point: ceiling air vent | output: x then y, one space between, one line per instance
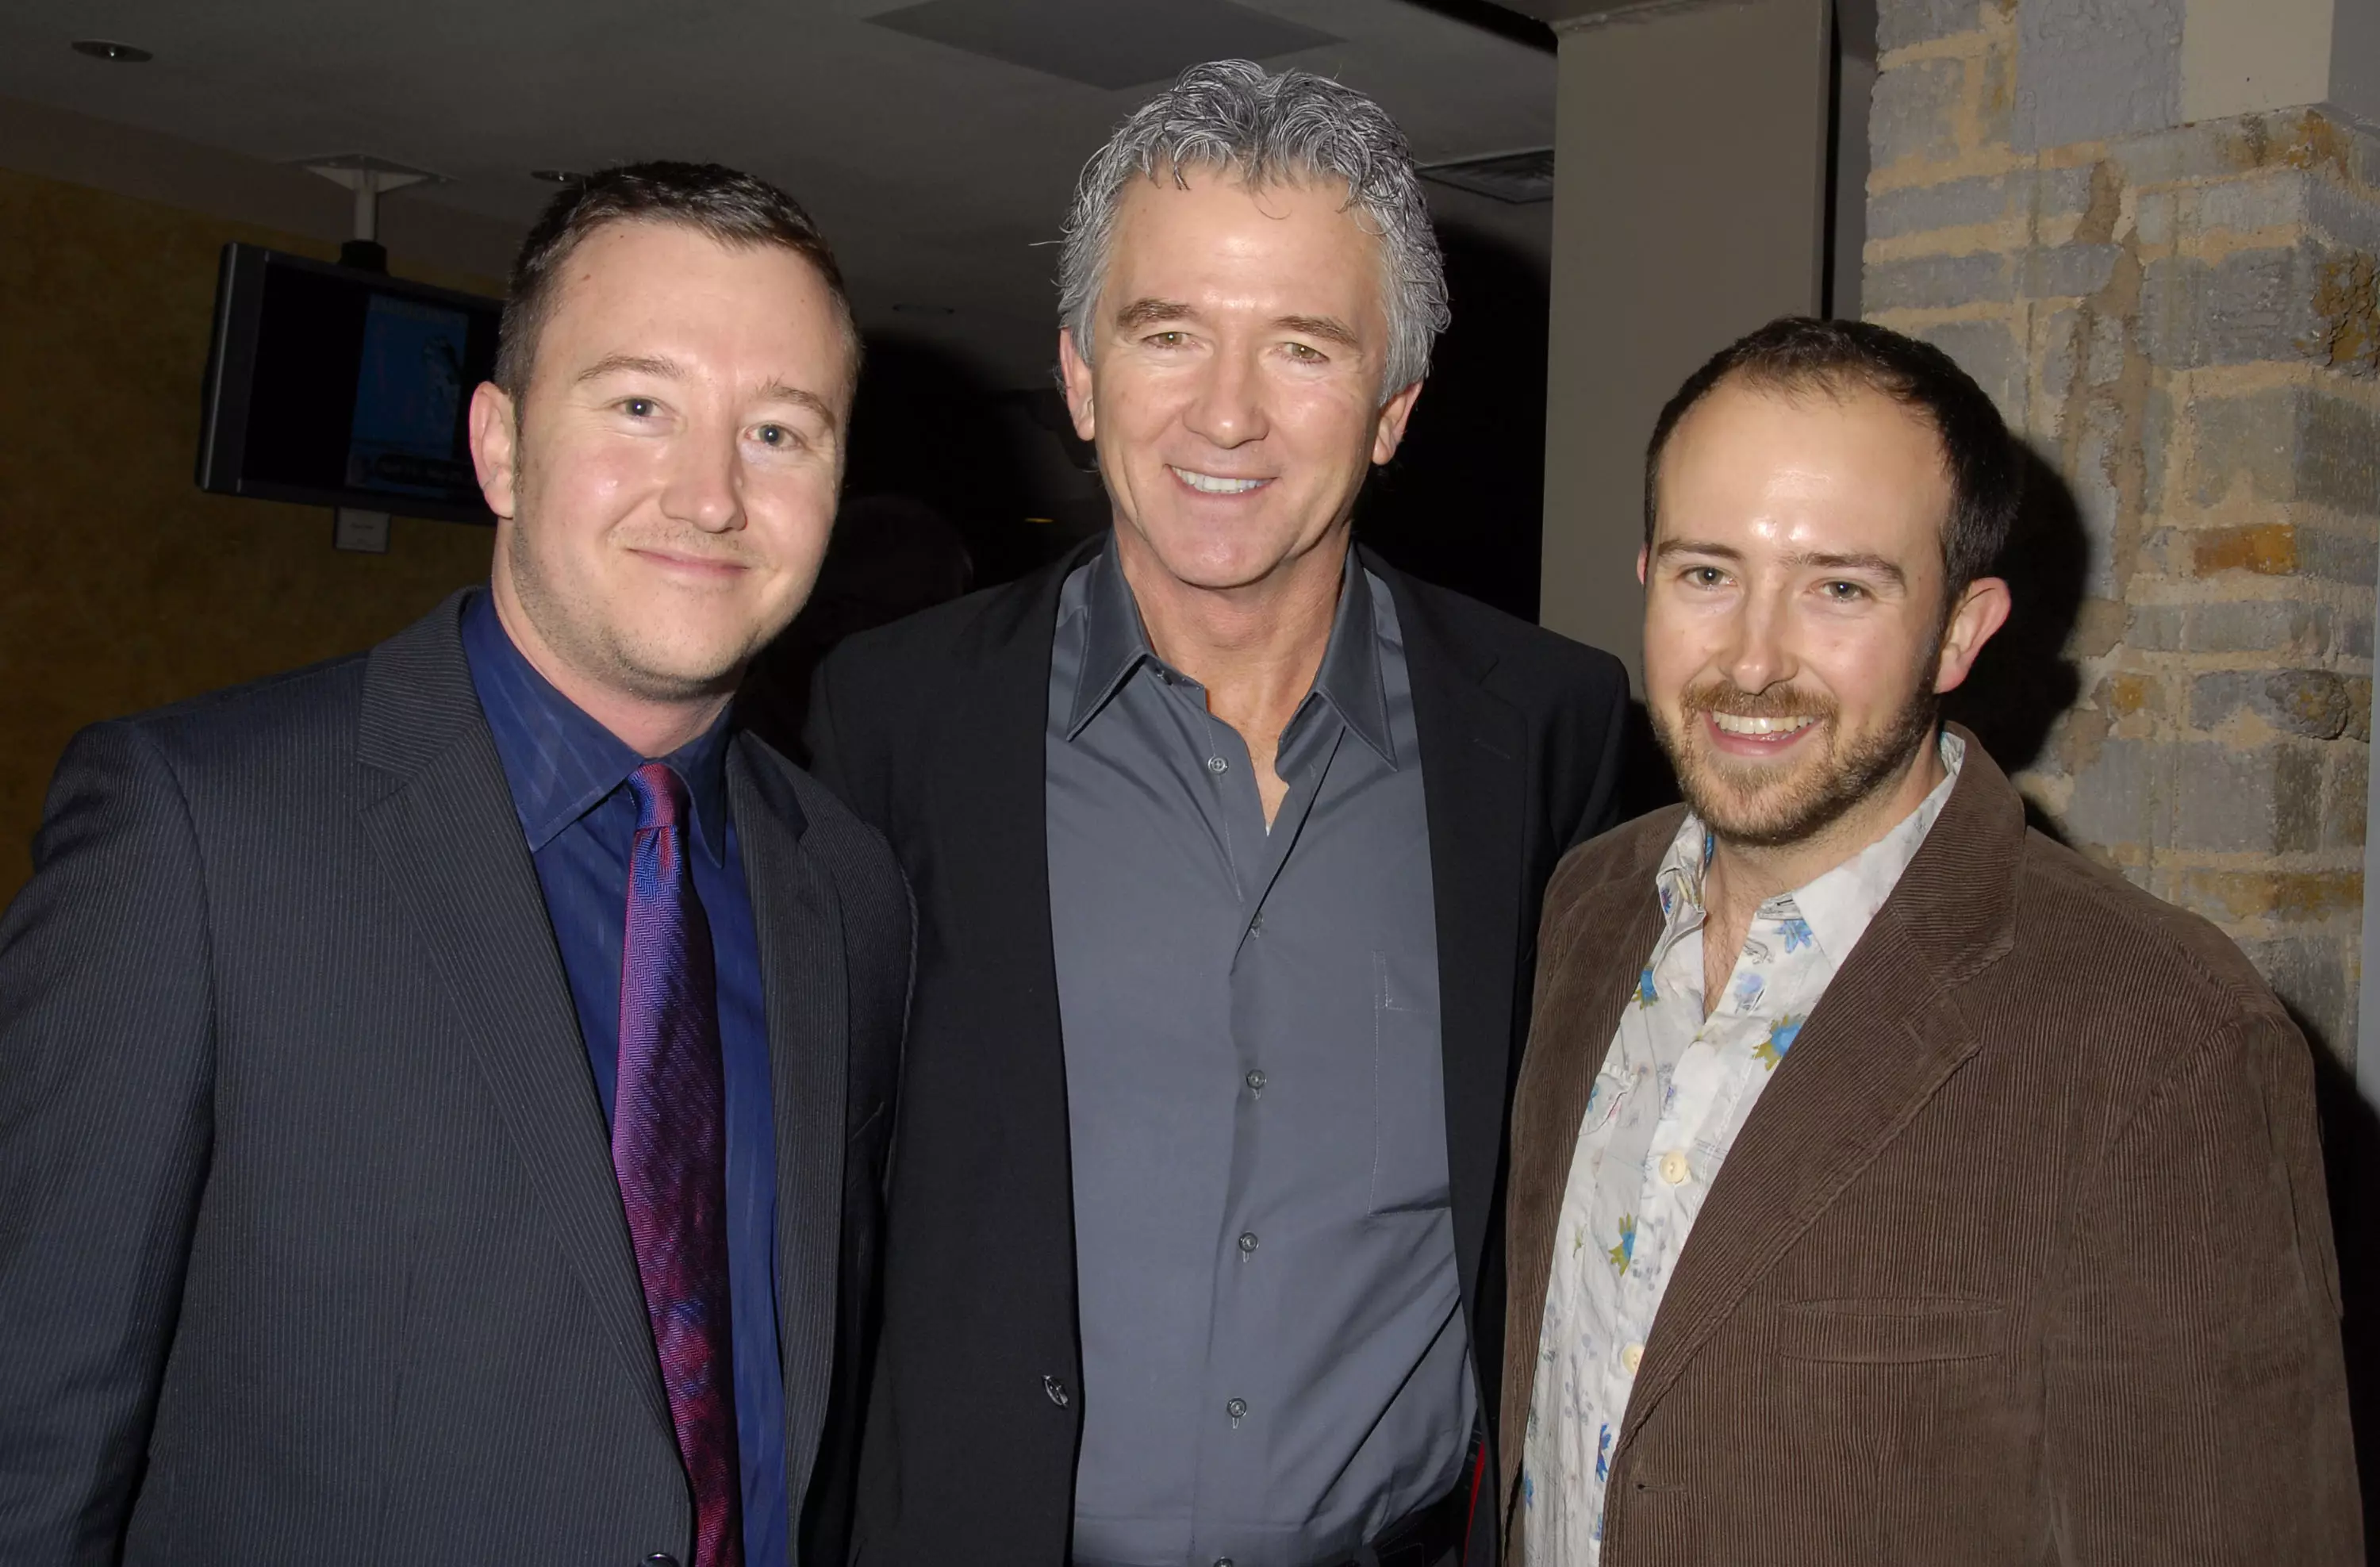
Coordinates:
1517 178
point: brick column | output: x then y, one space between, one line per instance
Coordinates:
2184 320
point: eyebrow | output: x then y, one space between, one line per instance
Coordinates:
1856 561
670 369
1329 328
636 364
1152 313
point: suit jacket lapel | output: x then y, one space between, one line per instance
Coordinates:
448 838
798 920
989 878
1473 756
1888 1032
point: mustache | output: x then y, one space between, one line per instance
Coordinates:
1778 702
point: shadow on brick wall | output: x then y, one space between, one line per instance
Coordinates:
2023 682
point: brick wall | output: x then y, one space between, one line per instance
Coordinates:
2185 324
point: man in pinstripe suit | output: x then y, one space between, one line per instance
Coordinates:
444 1092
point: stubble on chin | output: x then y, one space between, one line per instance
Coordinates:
1761 805
598 646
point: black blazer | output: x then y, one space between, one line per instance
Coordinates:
932 728
311 1248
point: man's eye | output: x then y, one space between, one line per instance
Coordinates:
774 435
1843 592
639 408
1706 575
1305 354
1169 339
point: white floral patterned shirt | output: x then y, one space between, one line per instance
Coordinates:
1674 1090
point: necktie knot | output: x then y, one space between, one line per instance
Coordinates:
661 795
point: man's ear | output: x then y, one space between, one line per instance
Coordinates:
1981 610
1076 372
1643 564
495 448
1388 430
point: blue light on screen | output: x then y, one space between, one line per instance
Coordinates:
409 391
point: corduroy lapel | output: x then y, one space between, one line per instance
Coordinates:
1888 1034
1475 788
798 920
450 843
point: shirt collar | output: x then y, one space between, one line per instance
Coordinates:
1115 643
1839 903
558 762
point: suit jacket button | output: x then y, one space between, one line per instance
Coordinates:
660 1559
1056 1390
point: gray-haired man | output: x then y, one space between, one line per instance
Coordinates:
1228 842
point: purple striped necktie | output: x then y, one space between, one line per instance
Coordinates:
668 1149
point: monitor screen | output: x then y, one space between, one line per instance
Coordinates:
337 387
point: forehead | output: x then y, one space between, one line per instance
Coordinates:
1300 235
1811 462
634 280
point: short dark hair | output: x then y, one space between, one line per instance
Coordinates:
733 208
1802 353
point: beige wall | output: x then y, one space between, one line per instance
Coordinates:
122 586
1689 207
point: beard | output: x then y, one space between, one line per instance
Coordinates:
1768 805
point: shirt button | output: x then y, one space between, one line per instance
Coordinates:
1255 925
1236 1408
1631 1357
1216 764
1256 1082
1674 1168
1247 1243
1056 1390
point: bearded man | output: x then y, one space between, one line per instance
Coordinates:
1888 1183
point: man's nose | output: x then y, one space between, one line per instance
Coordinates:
1757 653
1229 408
705 488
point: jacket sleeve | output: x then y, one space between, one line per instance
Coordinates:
105 1082
2196 1400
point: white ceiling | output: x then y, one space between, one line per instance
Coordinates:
940 175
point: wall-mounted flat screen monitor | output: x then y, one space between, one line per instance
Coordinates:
333 386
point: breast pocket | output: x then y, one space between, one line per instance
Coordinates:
1409 1170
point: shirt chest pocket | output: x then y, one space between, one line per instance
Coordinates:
1409 1166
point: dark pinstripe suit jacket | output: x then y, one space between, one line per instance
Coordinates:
311 1250
2022 1257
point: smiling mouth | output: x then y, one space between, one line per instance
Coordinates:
1216 484
1761 728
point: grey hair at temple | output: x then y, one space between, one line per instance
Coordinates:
1295 127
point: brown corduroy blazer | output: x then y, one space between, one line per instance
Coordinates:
2023 1254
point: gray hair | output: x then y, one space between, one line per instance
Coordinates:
1266 129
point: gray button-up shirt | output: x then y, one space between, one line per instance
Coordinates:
1275 1365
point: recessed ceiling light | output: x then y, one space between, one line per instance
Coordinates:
558 176
102 49
923 310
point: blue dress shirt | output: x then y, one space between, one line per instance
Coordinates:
569 776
